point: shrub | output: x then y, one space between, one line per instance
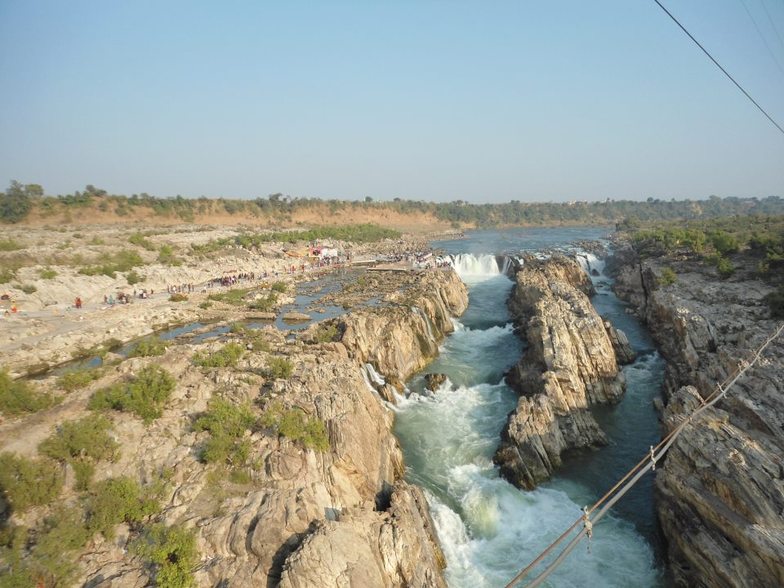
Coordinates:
133 277
294 424
205 305
178 297
279 367
725 267
265 303
17 396
116 500
326 333
47 273
142 241
253 336
78 379
144 395
667 277
51 560
226 423
226 356
167 257
723 242
149 347
172 550
28 288
26 482
279 287
82 443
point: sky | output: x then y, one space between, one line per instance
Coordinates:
484 101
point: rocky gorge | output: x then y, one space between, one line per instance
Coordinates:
334 511
570 364
720 489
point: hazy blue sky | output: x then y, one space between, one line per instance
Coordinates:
433 100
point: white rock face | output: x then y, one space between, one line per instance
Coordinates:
569 365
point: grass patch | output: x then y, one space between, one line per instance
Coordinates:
667 277
6 275
149 347
82 444
279 287
19 397
226 356
141 240
279 368
265 303
144 395
29 482
294 424
122 261
226 423
78 379
235 297
253 336
47 273
173 553
205 305
178 297
10 245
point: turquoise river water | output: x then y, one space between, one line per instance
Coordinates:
489 529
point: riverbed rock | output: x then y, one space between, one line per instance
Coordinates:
569 364
434 381
720 490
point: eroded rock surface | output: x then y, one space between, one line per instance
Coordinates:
720 490
299 516
570 364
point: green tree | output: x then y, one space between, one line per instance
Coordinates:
16 201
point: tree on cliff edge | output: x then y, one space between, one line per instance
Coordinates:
16 201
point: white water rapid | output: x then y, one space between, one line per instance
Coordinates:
489 529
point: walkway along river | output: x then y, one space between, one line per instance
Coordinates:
488 528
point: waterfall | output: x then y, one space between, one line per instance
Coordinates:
466 264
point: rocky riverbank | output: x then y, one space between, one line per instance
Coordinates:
720 490
297 511
569 365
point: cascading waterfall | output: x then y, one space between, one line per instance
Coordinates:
487 528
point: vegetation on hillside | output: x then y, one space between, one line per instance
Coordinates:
19 200
145 394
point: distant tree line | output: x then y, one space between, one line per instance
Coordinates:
18 201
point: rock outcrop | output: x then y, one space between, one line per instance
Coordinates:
297 516
570 364
720 490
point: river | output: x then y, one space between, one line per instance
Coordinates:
487 528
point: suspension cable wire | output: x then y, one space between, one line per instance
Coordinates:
761 36
772 23
724 71
636 473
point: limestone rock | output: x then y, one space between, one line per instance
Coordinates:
569 365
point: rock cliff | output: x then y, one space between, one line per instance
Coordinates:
297 516
569 364
720 490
